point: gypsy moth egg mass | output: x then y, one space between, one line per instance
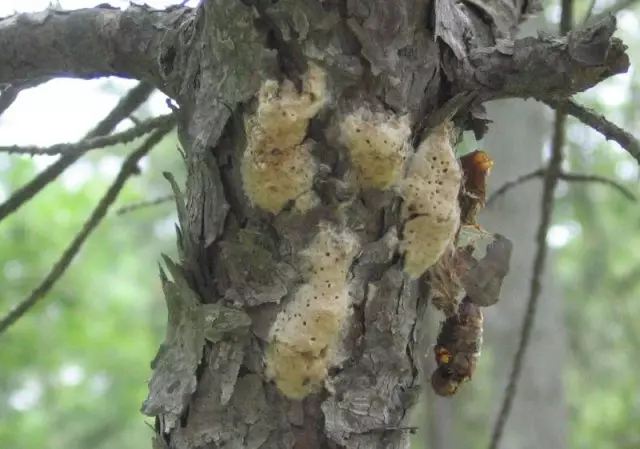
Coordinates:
304 335
377 144
297 374
430 193
273 178
277 165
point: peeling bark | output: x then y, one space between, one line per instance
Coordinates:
431 60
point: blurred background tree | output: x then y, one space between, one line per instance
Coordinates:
73 373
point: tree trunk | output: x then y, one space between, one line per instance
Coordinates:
290 214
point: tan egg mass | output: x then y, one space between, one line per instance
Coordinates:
377 144
304 335
277 166
430 207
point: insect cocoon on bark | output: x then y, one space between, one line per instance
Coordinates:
277 166
304 335
377 144
431 210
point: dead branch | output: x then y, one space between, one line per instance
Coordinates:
551 179
129 103
7 97
90 144
543 66
574 177
503 189
84 43
10 94
129 167
569 177
143 205
598 122
611 10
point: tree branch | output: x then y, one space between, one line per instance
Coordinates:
569 177
543 66
129 167
7 97
547 203
144 204
129 103
612 10
84 146
552 176
504 188
574 177
10 94
598 122
84 43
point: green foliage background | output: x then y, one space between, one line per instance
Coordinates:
73 372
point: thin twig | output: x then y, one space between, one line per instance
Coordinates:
574 177
129 167
550 183
97 142
143 205
547 204
10 94
611 10
539 173
589 13
598 122
7 97
569 177
129 103
125 107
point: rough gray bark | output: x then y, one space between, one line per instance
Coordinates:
432 60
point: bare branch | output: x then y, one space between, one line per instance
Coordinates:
144 204
90 144
7 97
612 10
573 177
129 167
552 176
598 122
84 43
539 173
550 182
125 107
569 177
589 13
129 103
10 94
543 66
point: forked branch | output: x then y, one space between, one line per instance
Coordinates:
128 169
569 177
551 179
126 106
90 144
544 66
